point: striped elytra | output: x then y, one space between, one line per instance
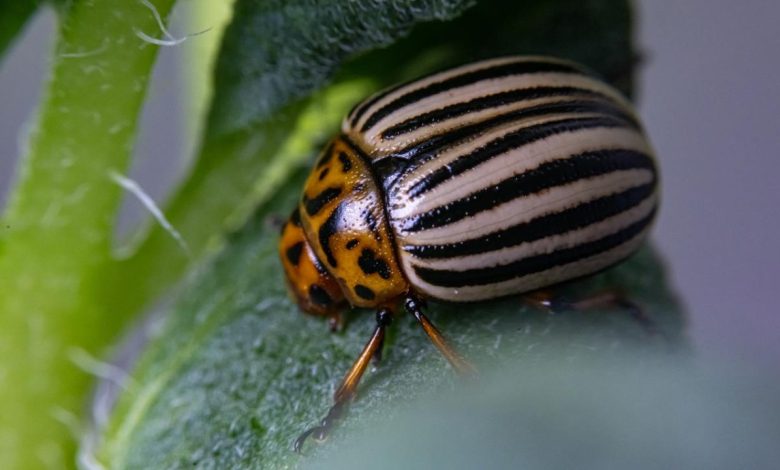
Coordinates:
494 178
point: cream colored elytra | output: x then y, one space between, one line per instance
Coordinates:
472 215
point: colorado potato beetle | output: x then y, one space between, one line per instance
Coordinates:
494 178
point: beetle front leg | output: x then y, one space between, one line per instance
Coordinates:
346 391
461 365
377 357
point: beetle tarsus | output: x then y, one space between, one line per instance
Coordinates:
320 432
346 390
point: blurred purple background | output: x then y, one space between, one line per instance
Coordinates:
709 95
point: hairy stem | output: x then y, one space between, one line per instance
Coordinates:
55 235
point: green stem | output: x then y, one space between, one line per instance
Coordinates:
56 234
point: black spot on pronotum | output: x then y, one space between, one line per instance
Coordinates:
370 264
346 165
352 243
318 296
326 156
373 225
319 201
294 253
364 292
327 229
324 173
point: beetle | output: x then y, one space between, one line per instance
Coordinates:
495 178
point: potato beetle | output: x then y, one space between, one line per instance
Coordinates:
499 177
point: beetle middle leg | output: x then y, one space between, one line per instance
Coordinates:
346 390
548 300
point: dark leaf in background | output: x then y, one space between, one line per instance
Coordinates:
13 17
278 52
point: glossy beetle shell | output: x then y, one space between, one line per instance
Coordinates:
490 179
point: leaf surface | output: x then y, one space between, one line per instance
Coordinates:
237 372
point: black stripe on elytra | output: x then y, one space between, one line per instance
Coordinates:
507 142
545 176
327 230
360 109
605 105
421 152
319 201
464 79
547 225
532 264
294 253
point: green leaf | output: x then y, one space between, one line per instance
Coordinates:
263 66
280 51
237 372
56 232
